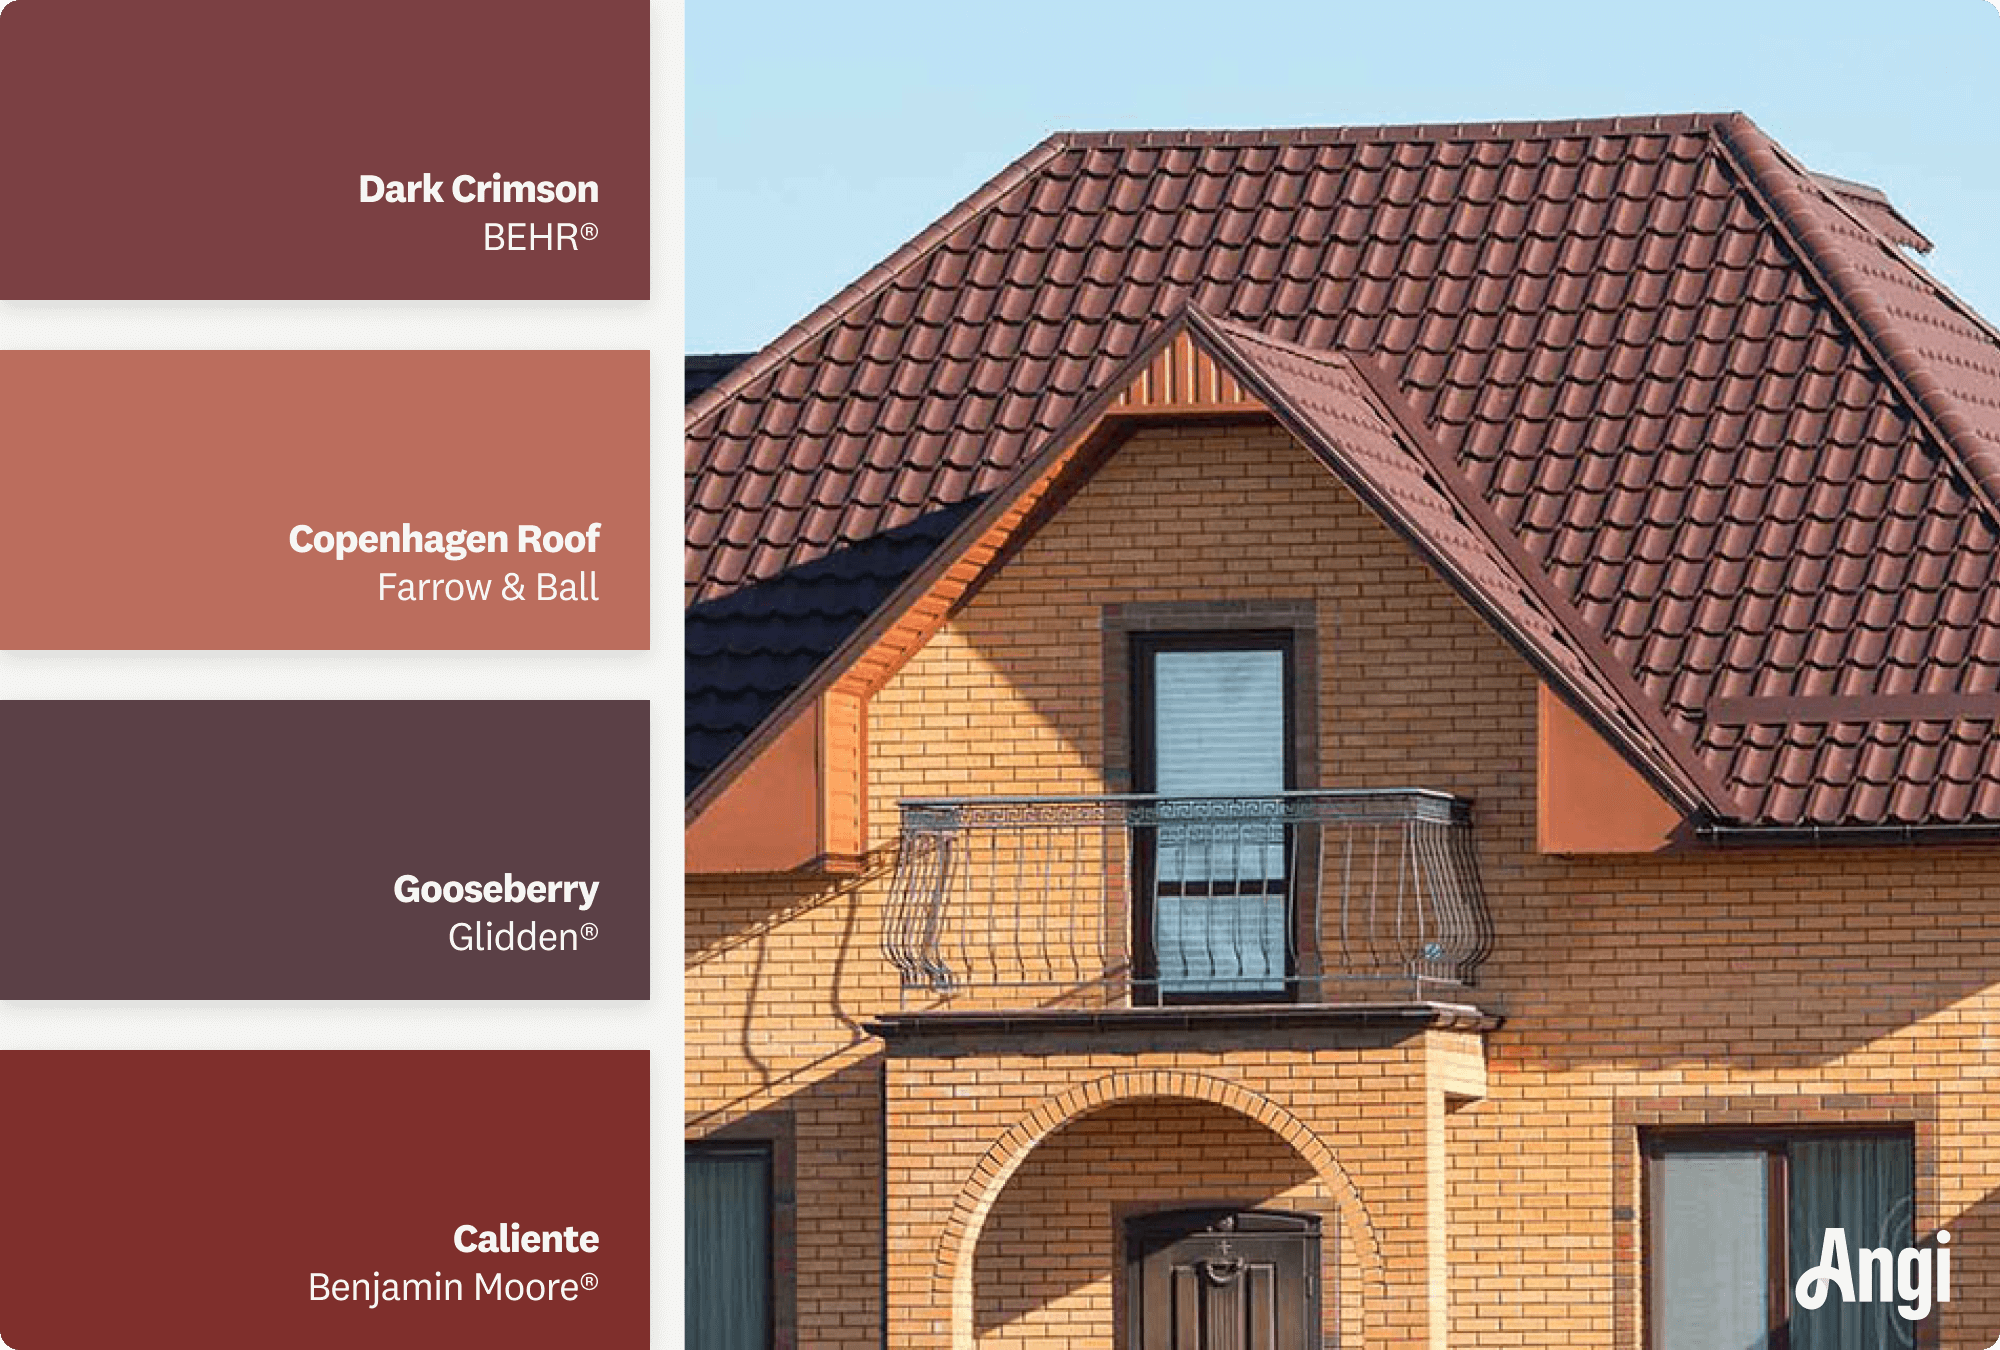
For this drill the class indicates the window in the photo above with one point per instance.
(1733, 1219)
(729, 1247)
(1214, 719)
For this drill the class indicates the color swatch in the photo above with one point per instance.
(324, 1199)
(375, 149)
(325, 850)
(332, 499)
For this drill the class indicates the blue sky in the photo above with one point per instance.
(821, 136)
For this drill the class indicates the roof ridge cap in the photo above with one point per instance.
(1756, 155)
(1238, 329)
(1250, 137)
(836, 307)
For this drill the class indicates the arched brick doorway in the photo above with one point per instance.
(1034, 1246)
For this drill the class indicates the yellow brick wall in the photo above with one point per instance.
(960, 1127)
(1778, 985)
(779, 976)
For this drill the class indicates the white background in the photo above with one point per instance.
(655, 325)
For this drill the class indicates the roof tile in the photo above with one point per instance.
(1686, 374)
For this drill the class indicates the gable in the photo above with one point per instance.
(1213, 526)
(1199, 372)
(1200, 527)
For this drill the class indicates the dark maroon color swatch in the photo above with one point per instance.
(215, 148)
(254, 849)
(188, 1198)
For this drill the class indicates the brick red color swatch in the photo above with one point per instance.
(327, 499)
(191, 1198)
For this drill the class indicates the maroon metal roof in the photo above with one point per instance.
(1738, 433)
(1335, 407)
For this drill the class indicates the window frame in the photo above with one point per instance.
(1774, 1142)
(1144, 646)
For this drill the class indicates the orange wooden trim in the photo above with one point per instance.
(1183, 378)
(1588, 797)
(921, 621)
(770, 818)
(843, 729)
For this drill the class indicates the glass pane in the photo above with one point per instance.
(1220, 944)
(1711, 1251)
(1220, 907)
(728, 1251)
(1864, 1187)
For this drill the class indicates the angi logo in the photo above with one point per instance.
(1879, 1275)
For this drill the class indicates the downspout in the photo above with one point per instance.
(883, 1191)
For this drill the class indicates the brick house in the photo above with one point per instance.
(1378, 737)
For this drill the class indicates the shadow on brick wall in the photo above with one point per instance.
(826, 1164)
(1772, 960)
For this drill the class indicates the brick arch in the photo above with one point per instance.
(953, 1274)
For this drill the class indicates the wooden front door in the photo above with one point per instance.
(1211, 1279)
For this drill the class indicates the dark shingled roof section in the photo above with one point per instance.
(750, 646)
(1742, 434)
(705, 371)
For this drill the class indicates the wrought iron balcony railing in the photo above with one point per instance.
(1148, 899)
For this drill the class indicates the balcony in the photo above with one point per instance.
(1134, 900)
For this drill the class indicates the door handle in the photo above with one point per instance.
(1224, 1270)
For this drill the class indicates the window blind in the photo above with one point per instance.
(1711, 1239)
(1219, 723)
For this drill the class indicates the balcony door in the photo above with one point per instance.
(1212, 915)
(1212, 1280)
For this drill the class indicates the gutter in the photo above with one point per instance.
(1834, 835)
